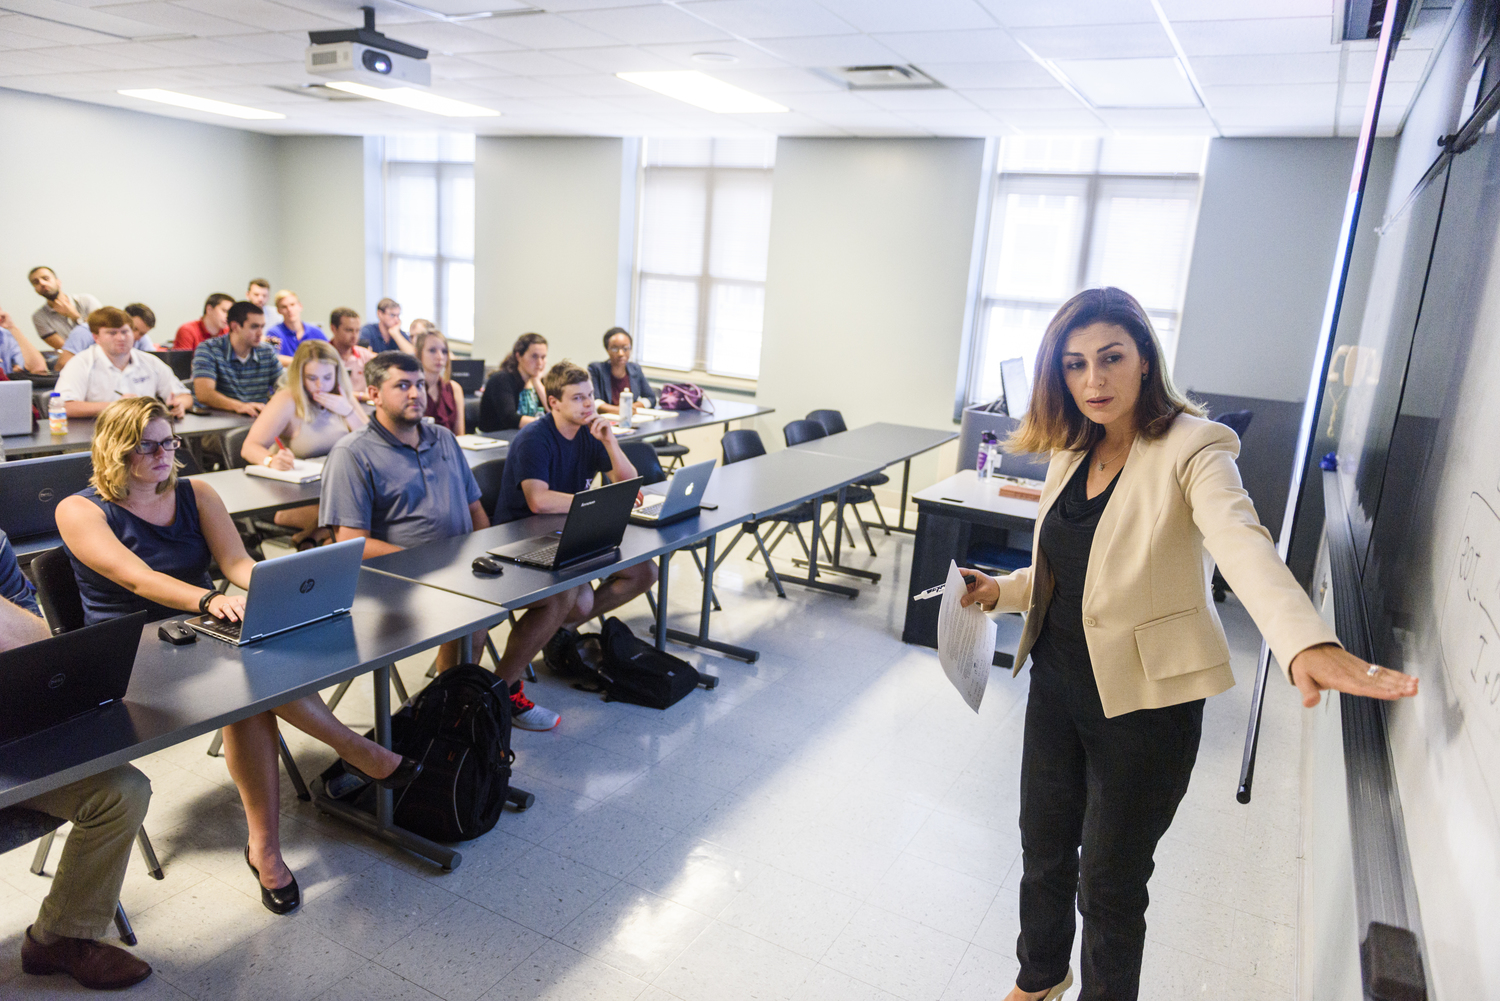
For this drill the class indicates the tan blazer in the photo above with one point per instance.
(1148, 612)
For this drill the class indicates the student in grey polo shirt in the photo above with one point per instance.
(61, 312)
(236, 371)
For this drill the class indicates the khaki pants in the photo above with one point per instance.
(106, 811)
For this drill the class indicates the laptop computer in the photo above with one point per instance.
(30, 490)
(682, 499)
(469, 374)
(180, 362)
(15, 407)
(56, 679)
(292, 591)
(596, 524)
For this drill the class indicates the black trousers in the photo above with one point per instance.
(1096, 796)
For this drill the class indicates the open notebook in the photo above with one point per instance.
(302, 471)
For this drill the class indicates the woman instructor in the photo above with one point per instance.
(1124, 641)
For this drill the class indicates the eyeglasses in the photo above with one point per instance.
(149, 446)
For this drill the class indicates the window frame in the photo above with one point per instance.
(440, 170)
(704, 281)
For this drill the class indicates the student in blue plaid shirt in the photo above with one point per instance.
(237, 372)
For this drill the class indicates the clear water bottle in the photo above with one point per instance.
(992, 460)
(627, 405)
(57, 414)
(981, 463)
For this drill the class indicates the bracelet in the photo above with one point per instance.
(204, 602)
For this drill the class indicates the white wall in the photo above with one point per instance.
(547, 240)
(321, 223)
(866, 281)
(132, 207)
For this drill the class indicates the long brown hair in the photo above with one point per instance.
(523, 344)
(1053, 421)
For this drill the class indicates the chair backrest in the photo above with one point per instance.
(1237, 421)
(796, 432)
(188, 460)
(472, 410)
(30, 490)
(644, 458)
(742, 443)
(234, 440)
(488, 476)
(832, 420)
(180, 362)
(57, 590)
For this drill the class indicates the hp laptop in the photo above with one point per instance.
(53, 680)
(596, 524)
(292, 591)
(682, 499)
(15, 407)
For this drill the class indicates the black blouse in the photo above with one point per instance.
(1066, 536)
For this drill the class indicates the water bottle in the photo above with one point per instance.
(992, 461)
(627, 404)
(57, 414)
(982, 460)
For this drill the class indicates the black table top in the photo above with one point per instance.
(884, 443)
(179, 692)
(748, 489)
(80, 436)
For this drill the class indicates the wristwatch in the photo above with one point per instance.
(204, 601)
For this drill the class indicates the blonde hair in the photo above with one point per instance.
(419, 326)
(283, 294)
(421, 342)
(308, 353)
(118, 429)
(1053, 420)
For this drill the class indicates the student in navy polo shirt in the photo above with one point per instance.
(385, 333)
(552, 459)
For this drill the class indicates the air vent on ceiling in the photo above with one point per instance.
(882, 78)
(320, 91)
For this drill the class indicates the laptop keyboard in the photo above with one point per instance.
(221, 628)
(542, 556)
(650, 509)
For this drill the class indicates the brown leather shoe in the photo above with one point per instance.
(93, 964)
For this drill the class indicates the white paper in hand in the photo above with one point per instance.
(966, 641)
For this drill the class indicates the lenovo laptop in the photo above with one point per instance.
(15, 407)
(292, 591)
(683, 498)
(53, 680)
(596, 524)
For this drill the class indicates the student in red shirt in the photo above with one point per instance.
(215, 318)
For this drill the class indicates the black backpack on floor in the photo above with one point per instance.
(459, 728)
(635, 671)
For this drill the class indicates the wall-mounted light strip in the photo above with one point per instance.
(200, 104)
(419, 100)
(704, 91)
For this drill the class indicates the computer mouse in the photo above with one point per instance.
(488, 565)
(199, 410)
(177, 632)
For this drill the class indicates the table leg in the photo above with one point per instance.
(663, 562)
(811, 580)
(900, 525)
(466, 650)
(701, 638)
(381, 824)
(838, 538)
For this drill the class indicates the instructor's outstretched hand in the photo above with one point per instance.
(1326, 666)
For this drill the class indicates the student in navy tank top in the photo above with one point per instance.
(141, 538)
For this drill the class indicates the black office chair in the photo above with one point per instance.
(488, 475)
(672, 451)
(742, 444)
(471, 413)
(21, 825)
(1237, 421)
(833, 423)
(648, 467)
(798, 432)
(180, 362)
(253, 531)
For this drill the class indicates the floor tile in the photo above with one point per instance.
(726, 964)
(790, 911)
(557, 973)
(376, 908)
(609, 839)
(896, 954)
(696, 874)
(982, 975)
(634, 930)
(285, 960)
(935, 896)
(369, 982)
(462, 952)
(542, 890)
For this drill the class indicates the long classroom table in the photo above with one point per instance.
(80, 436)
(177, 693)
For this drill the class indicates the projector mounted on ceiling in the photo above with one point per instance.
(881, 78)
(367, 56)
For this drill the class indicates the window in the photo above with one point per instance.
(1070, 213)
(701, 261)
(429, 230)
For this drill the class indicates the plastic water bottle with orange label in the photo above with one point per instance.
(57, 414)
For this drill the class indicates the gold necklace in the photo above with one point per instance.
(1123, 449)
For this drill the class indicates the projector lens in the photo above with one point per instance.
(377, 62)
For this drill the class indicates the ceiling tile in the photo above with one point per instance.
(47, 32)
(1301, 67)
(834, 101)
(874, 123)
(542, 31)
(782, 80)
(1236, 10)
(832, 50)
(903, 15)
(1272, 95)
(524, 63)
(1267, 35)
(746, 55)
(918, 100)
(209, 52)
(769, 18)
(587, 85)
(1018, 98)
(525, 87)
(1052, 120)
(268, 16)
(1408, 64)
(439, 36)
(658, 23)
(1097, 41)
(1057, 13)
(279, 46)
(984, 45)
(615, 59)
(962, 76)
(959, 124)
(1158, 120)
(178, 19)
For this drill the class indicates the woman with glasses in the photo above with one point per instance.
(618, 374)
(141, 538)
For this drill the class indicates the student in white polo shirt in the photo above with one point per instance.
(114, 369)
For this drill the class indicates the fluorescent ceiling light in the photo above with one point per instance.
(200, 104)
(421, 100)
(1130, 83)
(704, 91)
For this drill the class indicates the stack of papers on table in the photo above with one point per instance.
(302, 471)
(474, 442)
(641, 417)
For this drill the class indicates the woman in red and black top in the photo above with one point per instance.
(445, 398)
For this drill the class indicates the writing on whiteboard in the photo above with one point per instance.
(1470, 628)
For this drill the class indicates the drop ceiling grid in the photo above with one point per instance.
(1273, 72)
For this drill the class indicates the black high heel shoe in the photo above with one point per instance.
(283, 899)
(403, 776)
